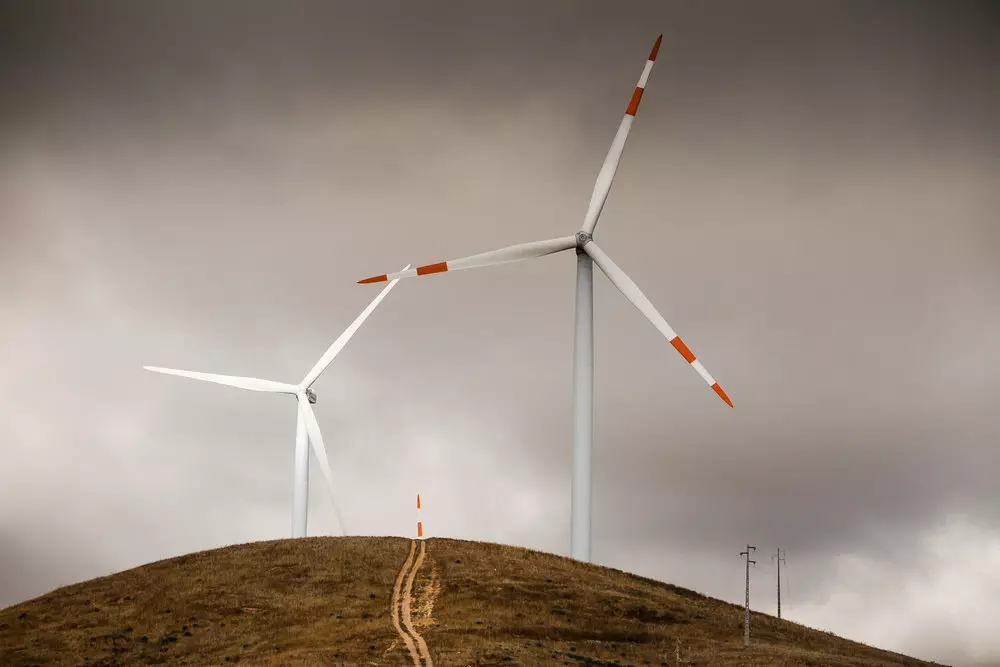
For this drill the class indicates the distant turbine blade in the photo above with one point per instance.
(316, 438)
(639, 300)
(607, 174)
(341, 341)
(514, 253)
(253, 384)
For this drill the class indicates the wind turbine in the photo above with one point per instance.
(306, 427)
(587, 252)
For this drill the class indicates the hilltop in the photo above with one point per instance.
(330, 601)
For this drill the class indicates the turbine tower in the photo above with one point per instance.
(588, 253)
(306, 426)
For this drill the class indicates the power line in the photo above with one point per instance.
(746, 621)
(780, 559)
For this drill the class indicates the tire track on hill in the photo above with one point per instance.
(396, 595)
(408, 601)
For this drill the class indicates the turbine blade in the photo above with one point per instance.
(514, 253)
(332, 352)
(316, 438)
(639, 300)
(607, 174)
(252, 384)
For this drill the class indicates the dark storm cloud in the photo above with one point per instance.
(808, 196)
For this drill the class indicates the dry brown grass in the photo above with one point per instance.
(326, 601)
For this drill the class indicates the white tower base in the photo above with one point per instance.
(300, 497)
(583, 408)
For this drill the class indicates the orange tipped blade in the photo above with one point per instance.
(439, 267)
(607, 174)
(514, 253)
(722, 394)
(656, 48)
(405, 272)
(632, 292)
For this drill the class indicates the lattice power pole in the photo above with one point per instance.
(746, 621)
(780, 559)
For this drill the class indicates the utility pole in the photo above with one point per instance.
(780, 559)
(746, 621)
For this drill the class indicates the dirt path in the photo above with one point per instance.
(395, 606)
(402, 600)
(407, 618)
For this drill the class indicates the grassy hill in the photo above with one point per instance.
(329, 601)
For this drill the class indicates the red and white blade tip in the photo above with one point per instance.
(438, 267)
(633, 104)
(691, 359)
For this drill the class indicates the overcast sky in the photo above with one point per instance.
(809, 196)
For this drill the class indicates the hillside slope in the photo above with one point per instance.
(329, 601)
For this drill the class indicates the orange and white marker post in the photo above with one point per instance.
(420, 524)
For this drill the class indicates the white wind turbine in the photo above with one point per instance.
(587, 251)
(306, 428)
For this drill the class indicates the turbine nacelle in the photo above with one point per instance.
(311, 395)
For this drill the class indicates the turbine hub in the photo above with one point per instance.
(311, 395)
(583, 238)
